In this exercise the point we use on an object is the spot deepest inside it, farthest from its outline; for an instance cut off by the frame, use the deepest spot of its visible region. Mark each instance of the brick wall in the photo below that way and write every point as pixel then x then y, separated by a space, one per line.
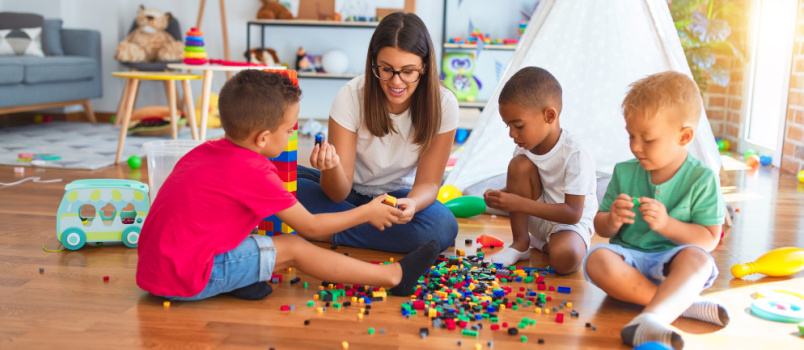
pixel 724 104
pixel 793 150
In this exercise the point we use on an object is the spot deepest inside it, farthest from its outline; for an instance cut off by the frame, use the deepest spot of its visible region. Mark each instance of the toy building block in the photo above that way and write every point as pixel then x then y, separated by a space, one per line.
pixel 559 318
pixel 285 157
pixel 564 290
pixel 390 200
pixel 292 145
pixel 291 186
pixel 487 241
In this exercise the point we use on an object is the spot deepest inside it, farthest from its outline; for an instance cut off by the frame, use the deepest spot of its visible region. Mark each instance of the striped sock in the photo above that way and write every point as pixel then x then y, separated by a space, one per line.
pixel 708 311
pixel 645 328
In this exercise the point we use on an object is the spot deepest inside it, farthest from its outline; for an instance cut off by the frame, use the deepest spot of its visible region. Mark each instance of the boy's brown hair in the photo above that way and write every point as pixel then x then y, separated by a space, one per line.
pixel 255 100
pixel 532 88
pixel 672 92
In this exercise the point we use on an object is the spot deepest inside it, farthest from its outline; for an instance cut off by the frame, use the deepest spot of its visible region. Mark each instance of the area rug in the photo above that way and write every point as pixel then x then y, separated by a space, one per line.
pixel 77 145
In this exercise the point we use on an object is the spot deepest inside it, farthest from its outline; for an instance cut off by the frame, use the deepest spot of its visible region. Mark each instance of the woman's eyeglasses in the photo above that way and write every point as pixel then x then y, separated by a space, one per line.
pixel 408 75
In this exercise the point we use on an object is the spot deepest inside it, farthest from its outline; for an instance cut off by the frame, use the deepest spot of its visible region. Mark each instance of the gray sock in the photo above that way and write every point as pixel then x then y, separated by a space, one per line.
pixel 708 311
pixel 645 328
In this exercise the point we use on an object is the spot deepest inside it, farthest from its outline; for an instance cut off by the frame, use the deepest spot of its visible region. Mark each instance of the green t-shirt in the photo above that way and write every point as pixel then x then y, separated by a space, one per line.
pixel 692 195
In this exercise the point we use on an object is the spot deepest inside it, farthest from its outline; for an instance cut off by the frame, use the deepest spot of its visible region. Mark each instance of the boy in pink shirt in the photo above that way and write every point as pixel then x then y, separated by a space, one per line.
pixel 196 243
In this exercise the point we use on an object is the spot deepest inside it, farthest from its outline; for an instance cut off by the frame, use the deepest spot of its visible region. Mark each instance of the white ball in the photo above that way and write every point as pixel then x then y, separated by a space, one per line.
pixel 335 62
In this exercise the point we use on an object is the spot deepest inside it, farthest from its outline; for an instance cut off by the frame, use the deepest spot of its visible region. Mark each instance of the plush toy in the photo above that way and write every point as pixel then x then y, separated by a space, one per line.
pixel 214 116
pixel 302 62
pixel 265 56
pixel 150 42
pixel 272 9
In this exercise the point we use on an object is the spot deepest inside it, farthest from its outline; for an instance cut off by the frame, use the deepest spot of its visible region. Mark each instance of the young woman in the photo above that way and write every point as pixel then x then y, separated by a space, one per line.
pixel 390 131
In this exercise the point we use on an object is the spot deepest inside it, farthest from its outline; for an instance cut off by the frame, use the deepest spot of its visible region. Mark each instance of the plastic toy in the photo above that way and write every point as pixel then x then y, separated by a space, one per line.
pixel 778 262
pixel 120 207
pixel 488 241
pixel 752 161
pixel 801 176
pixel 447 193
pixel 653 345
pixel 319 139
pixel 466 206
pixel 765 160
pixel 457 69
pixel 461 135
pixel 781 310
pixel 236 63
pixel 194 51
pixel 749 153
pixel 134 162
pixel 390 200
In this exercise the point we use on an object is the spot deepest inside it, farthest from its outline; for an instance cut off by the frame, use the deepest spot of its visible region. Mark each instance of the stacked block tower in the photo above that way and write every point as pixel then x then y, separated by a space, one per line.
pixel 286 168
pixel 194 51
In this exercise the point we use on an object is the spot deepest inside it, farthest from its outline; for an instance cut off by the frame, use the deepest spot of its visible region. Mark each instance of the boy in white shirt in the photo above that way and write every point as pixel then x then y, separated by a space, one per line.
pixel 550 186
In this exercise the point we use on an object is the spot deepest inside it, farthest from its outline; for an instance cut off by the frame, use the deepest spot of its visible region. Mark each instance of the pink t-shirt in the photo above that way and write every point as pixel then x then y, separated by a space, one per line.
pixel 215 196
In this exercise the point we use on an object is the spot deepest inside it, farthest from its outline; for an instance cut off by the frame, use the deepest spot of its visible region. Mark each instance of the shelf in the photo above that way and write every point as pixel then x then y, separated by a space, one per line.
pixel 311 23
pixel 325 75
pixel 485 47
pixel 473 104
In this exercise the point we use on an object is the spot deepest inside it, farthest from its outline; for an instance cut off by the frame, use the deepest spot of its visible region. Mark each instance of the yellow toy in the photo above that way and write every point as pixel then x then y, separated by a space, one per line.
pixel 214 116
pixel 448 193
pixel 777 262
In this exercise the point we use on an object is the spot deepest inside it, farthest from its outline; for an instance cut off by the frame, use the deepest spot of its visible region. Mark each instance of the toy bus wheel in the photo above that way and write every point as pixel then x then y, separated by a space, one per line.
pixel 131 236
pixel 73 238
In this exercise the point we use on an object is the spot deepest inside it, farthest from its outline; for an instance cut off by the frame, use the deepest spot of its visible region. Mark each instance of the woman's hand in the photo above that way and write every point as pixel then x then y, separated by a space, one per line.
pixel 408 207
pixel 382 215
pixel 324 157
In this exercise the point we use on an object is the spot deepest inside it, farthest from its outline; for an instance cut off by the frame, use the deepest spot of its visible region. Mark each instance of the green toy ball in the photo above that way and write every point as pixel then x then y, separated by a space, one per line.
pixel 134 162
pixel 749 153
pixel 721 145
pixel 466 206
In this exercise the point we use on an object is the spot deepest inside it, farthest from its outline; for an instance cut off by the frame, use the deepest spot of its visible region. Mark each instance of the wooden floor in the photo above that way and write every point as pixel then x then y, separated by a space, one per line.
pixel 69 306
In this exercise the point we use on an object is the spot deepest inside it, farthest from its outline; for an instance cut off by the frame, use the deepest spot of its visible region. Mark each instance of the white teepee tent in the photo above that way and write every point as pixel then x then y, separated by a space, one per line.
pixel 595 48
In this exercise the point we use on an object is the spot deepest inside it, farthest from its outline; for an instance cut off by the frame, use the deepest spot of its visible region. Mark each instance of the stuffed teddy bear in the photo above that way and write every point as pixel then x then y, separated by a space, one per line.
pixel 266 56
pixel 150 42
pixel 272 9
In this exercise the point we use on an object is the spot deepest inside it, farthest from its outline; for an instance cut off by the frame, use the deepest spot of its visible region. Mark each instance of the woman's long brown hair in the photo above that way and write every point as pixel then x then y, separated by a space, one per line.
pixel 407 32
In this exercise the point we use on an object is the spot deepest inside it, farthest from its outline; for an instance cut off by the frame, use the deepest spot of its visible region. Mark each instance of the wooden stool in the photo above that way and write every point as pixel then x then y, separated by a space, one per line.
pixel 130 91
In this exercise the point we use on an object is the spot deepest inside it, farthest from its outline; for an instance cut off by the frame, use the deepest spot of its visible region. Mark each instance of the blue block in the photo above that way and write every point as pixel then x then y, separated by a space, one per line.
pixel 405 312
pixel 563 290
pixel 289 156
pixel 367 300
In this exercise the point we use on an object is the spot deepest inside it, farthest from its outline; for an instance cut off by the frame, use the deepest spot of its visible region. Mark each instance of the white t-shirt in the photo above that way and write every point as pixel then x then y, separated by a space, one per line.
pixel 567 169
pixel 388 163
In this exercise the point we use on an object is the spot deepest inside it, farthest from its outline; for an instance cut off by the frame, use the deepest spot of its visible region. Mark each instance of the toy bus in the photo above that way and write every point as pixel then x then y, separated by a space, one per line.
pixel 102 210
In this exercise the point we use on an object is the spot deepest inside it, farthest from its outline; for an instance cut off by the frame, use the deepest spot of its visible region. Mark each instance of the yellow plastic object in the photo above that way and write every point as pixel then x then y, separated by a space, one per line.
pixel 778 262
pixel 779 293
pixel 156 75
pixel 448 193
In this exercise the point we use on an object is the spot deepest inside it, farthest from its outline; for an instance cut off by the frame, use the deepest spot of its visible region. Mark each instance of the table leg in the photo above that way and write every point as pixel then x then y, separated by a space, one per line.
pixel 174 119
pixel 118 118
pixel 205 90
pixel 188 105
pixel 131 89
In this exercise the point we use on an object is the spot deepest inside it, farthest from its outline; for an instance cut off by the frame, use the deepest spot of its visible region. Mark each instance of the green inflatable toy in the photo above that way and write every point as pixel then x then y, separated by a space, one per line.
pixel 466 206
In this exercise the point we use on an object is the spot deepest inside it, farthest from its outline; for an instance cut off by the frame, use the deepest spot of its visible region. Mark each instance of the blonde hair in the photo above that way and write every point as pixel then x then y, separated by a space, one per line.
pixel 670 92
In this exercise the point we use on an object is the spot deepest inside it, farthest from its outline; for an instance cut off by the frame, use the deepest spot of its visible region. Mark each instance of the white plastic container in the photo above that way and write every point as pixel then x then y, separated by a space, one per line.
pixel 162 157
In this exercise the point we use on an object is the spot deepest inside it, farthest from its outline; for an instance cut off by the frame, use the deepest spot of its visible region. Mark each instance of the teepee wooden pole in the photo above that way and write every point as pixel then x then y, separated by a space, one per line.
pixel 223 28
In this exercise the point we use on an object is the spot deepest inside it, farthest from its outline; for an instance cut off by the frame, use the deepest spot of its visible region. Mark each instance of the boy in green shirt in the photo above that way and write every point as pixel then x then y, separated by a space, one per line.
pixel 663 212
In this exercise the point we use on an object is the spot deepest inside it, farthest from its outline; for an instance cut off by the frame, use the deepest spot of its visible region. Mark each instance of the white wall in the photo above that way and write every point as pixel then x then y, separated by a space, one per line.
pixel 113 18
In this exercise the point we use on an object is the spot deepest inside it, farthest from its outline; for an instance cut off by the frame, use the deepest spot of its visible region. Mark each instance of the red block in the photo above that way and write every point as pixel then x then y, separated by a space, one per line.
pixel 450 324
pixel 552 289
pixel 276 276
pixel 541 286
pixel 521 289
pixel 540 279
pixel 559 318
pixel 549 298
pixel 463 324
pixel 287 176
pixel 495 327
pixel 505 325
pixel 418 305
pixel 284 167
pixel 285 308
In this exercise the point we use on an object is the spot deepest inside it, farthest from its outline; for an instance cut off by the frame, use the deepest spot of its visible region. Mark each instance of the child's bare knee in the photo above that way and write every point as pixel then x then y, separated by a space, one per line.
pixel 693 257
pixel 599 262
pixel 521 165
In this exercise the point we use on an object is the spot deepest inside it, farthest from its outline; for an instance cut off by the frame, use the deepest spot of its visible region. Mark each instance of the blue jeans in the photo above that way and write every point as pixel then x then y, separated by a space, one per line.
pixel 434 222
pixel 252 261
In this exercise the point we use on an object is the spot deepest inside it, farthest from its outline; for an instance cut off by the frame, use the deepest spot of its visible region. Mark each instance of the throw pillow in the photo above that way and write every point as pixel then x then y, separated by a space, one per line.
pixel 21 42
pixel 52 40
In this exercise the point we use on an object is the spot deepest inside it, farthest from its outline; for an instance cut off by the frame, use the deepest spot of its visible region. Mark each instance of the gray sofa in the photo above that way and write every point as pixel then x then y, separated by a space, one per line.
pixel 69 73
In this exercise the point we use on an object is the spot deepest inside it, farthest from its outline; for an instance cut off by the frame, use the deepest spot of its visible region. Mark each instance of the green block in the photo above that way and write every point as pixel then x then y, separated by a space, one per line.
pixel 485 316
pixel 469 333
pixel 521 325
pixel 525 320
pixel 413 313
pixel 406 306
pixel 530 303
pixel 528 280
pixel 371 331
pixel 504 280
pixel 494 320
pixel 336 305
pixel 519 300
pixel 511 268
pixel 532 322
pixel 524 339
pixel 310 303
pixel 516 307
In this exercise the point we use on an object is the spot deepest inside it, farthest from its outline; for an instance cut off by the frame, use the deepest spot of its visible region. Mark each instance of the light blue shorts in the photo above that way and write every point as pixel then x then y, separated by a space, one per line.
pixel 653 265
pixel 252 261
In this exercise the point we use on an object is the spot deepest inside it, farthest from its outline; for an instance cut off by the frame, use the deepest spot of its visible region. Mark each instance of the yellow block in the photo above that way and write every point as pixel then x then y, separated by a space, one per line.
pixel 261 232
pixel 547 311
pixel 459 252
pixel 292 146
pixel 286 228
pixel 569 305
pixel 291 186
pixel 195 55
pixel 537 310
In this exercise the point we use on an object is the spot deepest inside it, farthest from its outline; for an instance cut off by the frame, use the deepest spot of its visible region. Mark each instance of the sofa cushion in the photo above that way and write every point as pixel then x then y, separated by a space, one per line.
pixel 21 34
pixel 58 68
pixel 52 40
pixel 11 70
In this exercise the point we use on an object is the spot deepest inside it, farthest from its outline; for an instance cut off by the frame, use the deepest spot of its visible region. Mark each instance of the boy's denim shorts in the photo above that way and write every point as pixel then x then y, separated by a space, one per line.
pixel 655 265
pixel 252 261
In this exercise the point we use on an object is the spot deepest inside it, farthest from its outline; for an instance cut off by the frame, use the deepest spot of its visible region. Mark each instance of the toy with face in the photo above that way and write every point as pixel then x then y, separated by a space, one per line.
pixel 457 72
